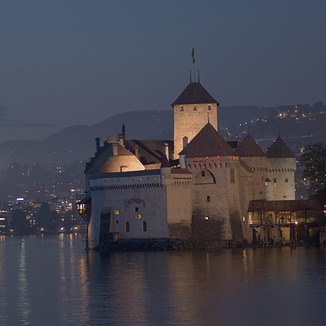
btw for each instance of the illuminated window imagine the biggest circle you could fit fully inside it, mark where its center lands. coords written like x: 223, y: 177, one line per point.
x: 209, y: 107
x: 181, y: 108
x: 196, y: 159
x: 127, y: 227
x: 218, y: 158
x: 144, y: 226
x: 206, y: 158
x: 138, y: 216
x: 116, y: 212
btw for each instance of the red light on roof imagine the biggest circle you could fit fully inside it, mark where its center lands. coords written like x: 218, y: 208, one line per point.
x: 230, y: 158
x: 233, y: 158
x: 237, y: 158
x: 218, y: 158
x: 196, y: 159
x: 206, y: 158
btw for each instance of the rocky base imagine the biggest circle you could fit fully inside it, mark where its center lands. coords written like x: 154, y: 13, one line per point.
x: 158, y: 245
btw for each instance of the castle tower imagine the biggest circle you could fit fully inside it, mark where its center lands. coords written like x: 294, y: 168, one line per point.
x: 192, y: 110
x: 255, y: 158
x: 281, y: 167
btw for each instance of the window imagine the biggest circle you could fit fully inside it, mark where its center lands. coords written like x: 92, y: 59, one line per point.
x: 195, y: 108
x: 209, y: 107
x: 127, y: 227
x: 116, y: 212
x: 208, y: 198
x: 136, y: 209
x: 138, y: 216
x: 274, y: 180
x: 144, y: 226
x: 181, y: 108
x: 202, y: 173
x: 232, y: 178
x: 286, y: 180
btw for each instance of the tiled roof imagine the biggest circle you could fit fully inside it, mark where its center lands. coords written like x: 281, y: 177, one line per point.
x: 149, y: 151
x: 248, y: 147
x: 165, y: 163
x: 102, y: 155
x: 194, y: 93
x: 208, y: 142
x: 279, y: 150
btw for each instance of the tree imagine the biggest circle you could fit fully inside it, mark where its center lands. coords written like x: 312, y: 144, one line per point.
x: 19, y: 223
x: 47, y: 219
x: 314, y: 161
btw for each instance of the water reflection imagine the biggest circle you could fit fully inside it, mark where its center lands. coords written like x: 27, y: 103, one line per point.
x: 23, y: 295
x: 53, y: 281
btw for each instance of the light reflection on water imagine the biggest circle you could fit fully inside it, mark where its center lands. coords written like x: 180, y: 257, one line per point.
x: 53, y: 281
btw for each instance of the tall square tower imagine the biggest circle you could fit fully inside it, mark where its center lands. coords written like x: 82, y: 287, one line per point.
x: 192, y: 110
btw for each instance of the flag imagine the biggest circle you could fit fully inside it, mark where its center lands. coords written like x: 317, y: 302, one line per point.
x: 193, y: 55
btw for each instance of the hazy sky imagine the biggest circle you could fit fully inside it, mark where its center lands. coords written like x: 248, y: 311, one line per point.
x: 72, y: 62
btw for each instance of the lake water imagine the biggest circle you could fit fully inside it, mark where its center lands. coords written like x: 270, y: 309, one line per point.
x: 53, y: 281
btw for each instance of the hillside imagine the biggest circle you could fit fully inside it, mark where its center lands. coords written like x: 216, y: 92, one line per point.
x: 299, y: 125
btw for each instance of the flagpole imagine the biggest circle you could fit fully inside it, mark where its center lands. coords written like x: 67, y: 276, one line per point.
x: 193, y: 59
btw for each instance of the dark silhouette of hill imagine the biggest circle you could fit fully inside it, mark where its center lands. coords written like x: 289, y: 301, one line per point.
x: 78, y: 142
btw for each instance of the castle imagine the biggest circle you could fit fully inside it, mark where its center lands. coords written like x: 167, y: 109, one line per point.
x: 197, y: 187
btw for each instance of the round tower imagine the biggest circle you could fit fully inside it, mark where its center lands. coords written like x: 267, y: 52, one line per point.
x: 281, y: 167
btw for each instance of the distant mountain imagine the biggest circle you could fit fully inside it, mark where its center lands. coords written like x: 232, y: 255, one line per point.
x: 300, y: 124
x: 77, y: 143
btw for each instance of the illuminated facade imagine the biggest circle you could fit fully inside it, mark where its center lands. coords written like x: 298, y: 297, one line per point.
x: 201, y: 193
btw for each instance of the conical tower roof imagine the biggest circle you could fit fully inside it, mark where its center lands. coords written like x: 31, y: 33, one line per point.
x: 194, y: 93
x: 279, y: 150
x: 248, y: 147
x: 208, y: 142
x: 165, y: 162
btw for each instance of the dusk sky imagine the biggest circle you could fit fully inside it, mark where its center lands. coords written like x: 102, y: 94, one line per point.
x: 64, y: 63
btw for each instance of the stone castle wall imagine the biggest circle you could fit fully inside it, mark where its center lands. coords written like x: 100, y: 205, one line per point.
x: 189, y: 119
x: 281, y: 172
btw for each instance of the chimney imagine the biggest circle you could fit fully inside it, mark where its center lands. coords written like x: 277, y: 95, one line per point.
x: 136, y: 151
x: 185, y: 142
x: 115, y: 149
x: 97, y: 139
x: 121, y: 140
x: 166, y: 150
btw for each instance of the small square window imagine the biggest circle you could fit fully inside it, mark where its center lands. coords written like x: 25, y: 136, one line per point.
x: 274, y: 180
x: 195, y: 108
x: 136, y: 209
x: 286, y: 180
x: 209, y: 107
x: 208, y: 198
